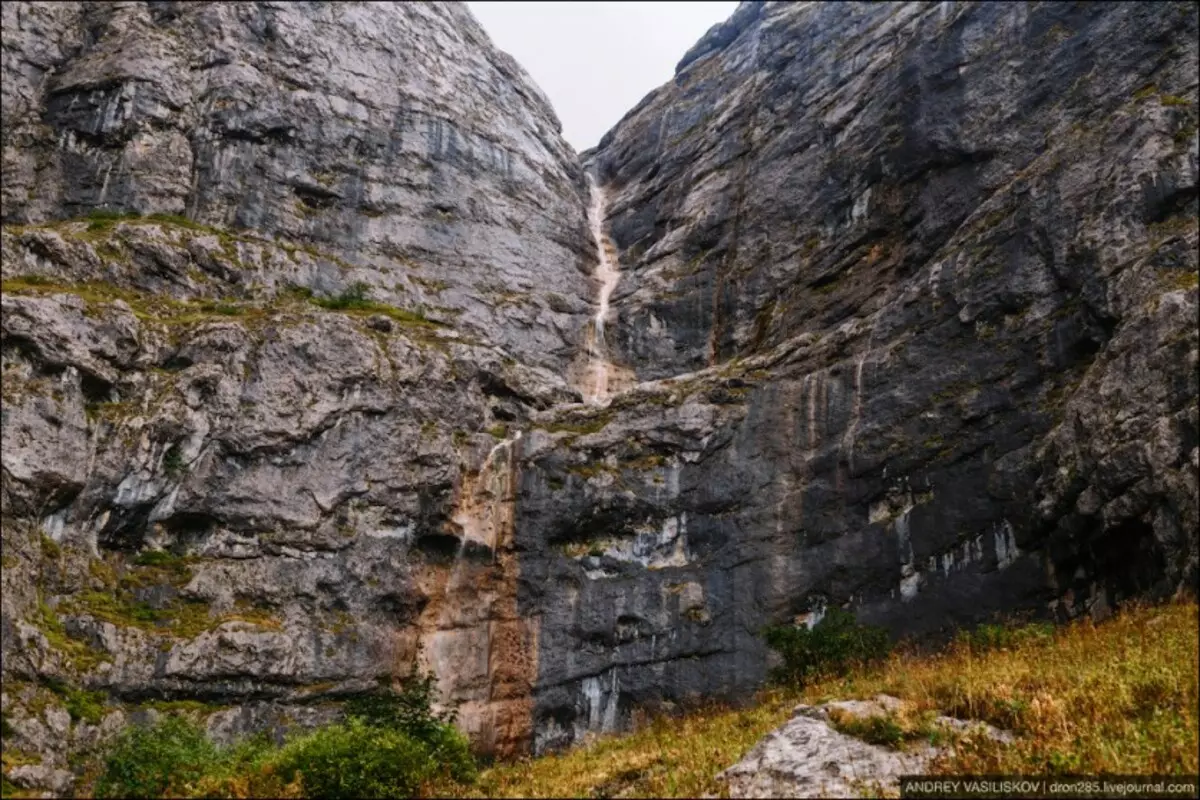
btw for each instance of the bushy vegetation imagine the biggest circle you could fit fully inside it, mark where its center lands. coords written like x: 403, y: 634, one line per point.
x: 831, y: 647
x: 79, y: 703
x: 353, y: 296
x: 354, y: 759
x: 148, y: 761
x: 101, y: 219
x: 391, y: 744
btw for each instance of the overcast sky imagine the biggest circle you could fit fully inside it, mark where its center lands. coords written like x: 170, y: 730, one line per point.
x: 596, y: 60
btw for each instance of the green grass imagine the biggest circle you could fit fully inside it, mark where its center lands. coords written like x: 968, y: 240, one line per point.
x: 354, y: 300
x: 579, y: 426
x: 79, y: 655
x: 103, y: 219
x: 180, y: 618
x: 79, y: 703
x: 894, y: 729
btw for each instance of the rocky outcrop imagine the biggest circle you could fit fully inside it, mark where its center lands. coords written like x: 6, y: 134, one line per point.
x: 809, y: 757
x: 904, y: 321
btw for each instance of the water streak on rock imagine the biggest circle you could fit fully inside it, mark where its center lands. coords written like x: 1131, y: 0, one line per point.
x: 601, y: 377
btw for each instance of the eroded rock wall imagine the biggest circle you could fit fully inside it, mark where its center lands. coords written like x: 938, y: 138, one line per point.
x: 392, y: 134
x: 909, y: 291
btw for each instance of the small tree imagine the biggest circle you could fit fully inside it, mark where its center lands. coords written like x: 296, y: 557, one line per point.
x: 146, y: 761
x: 832, y: 646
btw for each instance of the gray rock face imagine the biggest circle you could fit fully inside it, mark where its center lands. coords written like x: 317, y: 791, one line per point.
x: 909, y: 291
x: 929, y: 271
x: 223, y: 486
x: 394, y: 135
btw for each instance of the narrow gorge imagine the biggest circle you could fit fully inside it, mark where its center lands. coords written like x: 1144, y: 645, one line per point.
x: 327, y: 361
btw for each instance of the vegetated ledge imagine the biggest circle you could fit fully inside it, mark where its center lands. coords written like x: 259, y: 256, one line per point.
x: 728, y: 384
x: 101, y: 225
x: 170, y: 254
x: 168, y: 311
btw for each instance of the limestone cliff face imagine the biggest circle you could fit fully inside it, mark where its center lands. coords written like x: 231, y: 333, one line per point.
x: 908, y: 291
x: 394, y: 135
x: 251, y: 436
x: 911, y: 291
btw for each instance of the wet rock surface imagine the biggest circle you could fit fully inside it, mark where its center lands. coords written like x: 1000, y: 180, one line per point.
x: 906, y: 305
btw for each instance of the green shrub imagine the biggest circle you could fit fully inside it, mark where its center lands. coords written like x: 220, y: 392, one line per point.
x: 410, y: 711
x: 391, y: 744
x: 102, y: 219
x: 156, y: 558
x: 1004, y: 637
x: 353, y: 296
x: 452, y: 754
x: 300, y: 292
x: 147, y: 761
x: 85, y: 705
x: 79, y: 703
x: 357, y: 760
x: 173, y: 461
x: 832, y: 646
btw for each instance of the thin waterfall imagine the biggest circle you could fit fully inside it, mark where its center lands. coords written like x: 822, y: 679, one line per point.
x: 608, y: 272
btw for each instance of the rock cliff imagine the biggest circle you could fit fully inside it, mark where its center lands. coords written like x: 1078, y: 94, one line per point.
x: 905, y: 321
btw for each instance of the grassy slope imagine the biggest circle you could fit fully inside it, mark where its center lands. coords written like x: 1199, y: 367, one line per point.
x: 1119, y: 697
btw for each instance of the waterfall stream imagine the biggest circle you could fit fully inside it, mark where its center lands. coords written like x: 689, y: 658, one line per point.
x: 598, y: 375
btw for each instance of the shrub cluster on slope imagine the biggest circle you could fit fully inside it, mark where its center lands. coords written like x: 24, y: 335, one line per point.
x: 833, y: 646
x: 390, y: 745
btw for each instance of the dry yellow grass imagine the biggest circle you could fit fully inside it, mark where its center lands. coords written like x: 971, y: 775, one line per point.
x: 666, y: 758
x: 1119, y: 697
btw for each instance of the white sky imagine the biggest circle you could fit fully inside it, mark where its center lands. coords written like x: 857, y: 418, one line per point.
x: 596, y: 60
